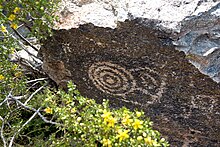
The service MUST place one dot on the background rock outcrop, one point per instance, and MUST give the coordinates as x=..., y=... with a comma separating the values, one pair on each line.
x=193, y=24
x=107, y=13
x=125, y=51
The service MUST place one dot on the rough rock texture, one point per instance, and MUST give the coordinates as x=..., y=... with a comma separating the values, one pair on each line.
x=200, y=40
x=194, y=24
x=125, y=51
x=138, y=67
x=107, y=13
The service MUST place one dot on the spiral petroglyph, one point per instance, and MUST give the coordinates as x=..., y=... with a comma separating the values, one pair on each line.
x=118, y=81
x=111, y=78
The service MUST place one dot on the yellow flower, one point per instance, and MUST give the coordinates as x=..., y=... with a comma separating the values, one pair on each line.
x=48, y=110
x=138, y=113
x=126, y=120
x=139, y=138
x=148, y=140
x=111, y=121
x=18, y=74
x=137, y=124
x=106, y=114
x=122, y=135
x=107, y=142
x=2, y=77
x=108, y=119
x=11, y=17
x=3, y=29
x=14, y=26
x=16, y=10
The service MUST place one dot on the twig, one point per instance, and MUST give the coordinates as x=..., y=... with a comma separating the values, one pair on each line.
x=2, y=119
x=35, y=80
x=29, y=87
x=3, y=101
x=2, y=133
x=30, y=97
x=23, y=46
x=48, y=121
x=32, y=109
x=13, y=137
x=8, y=98
x=25, y=62
x=25, y=40
x=33, y=66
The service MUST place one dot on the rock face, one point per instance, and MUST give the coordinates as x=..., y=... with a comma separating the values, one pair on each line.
x=125, y=51
x=193, y=24
x=137, y=67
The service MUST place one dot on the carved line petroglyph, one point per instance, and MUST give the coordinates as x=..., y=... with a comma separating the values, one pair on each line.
x=149, y=84
x=116, y=80
x=111, y=78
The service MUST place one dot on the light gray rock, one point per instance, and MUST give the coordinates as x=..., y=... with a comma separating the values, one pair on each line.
x=107, y=13
x=28, y=54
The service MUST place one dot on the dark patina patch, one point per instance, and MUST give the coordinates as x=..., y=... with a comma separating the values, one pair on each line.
x=137, y=67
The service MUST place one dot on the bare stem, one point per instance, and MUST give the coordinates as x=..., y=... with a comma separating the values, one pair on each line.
x=29, y=120
x=35, y=92
x=33, y=109
x=2, y=133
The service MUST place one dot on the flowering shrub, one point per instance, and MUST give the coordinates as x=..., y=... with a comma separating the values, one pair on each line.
x=84, y=122
x=37, y=17
x=16, y=17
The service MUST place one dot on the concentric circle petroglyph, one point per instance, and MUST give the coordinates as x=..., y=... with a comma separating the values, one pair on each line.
x=111, y=78
x=118, y=81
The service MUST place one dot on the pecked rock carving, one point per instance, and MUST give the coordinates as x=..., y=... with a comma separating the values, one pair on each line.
x=117, y=81
x=138, y=67
x=116, y=49
x=125, y=51
x=111, y=78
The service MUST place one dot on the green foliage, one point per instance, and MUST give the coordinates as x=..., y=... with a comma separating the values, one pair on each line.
x=11, y=79
x=36, y=17
x=83, y=121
